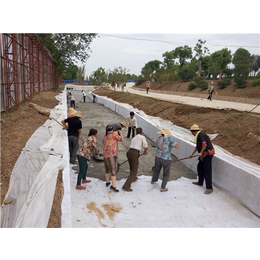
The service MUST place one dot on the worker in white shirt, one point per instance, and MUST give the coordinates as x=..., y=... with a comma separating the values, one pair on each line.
x=132, y=124
x=137, y=143
x=83, y=95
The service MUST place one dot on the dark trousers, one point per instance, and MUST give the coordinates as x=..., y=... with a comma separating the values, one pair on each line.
x=73, y=147
x=132, y=156
x=159, y=164
x=147, y=90
x=84, y=98
x=210, y=96
x=83, y=168
x=72, y=103
x=129, y=132
x=204, y=169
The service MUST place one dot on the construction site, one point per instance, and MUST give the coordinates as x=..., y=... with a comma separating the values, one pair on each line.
x=38, y=184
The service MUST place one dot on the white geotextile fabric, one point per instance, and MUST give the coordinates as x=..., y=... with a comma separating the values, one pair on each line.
x=179, y=132
x=237, y=176
x=33, y=179
x=182, y=206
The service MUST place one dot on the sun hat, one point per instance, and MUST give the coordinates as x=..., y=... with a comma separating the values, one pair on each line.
x=71, y=111
x=78, y=114
x=195, y=127
x=123, y=123
x=165, y=132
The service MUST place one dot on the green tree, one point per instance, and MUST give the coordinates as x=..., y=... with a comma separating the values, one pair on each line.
x=166, y=74
x=194, y=64
x=227, y=58
x=119, y=75
x=81, y=74
x=67, y=48
x=140, y=80
x=71, y=72
x=182, y=53
x=200, y=52
x=150, y=68
x=205, y=66
x=227, y=72
x=168, y=61
x=214, y=63
x=221, y=59
x=99, y=75
x=187, y=73
x=132, y=77
x=241, y=61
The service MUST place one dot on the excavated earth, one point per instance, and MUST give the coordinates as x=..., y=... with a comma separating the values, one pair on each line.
x=238, y=132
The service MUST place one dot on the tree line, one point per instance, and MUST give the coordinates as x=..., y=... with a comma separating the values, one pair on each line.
x=182, y=64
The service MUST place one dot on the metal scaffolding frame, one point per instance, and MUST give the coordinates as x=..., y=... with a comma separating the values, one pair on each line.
x=27, y=67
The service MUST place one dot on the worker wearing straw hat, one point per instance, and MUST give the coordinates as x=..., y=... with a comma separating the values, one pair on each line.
x=164, y=143
x=206, y=152
x=74, y=133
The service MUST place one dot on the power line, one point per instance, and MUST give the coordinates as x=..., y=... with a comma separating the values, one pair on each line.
x=172, y=43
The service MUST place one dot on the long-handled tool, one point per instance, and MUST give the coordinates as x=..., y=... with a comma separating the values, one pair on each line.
x=119, y=164
x=253, y=108
x=186, y=158
x=59, y=123
x=181, y=159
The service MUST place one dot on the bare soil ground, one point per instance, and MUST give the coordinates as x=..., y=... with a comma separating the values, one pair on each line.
x=17, y=126
x=234, y=128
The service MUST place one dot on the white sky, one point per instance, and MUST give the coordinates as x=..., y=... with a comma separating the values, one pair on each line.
x=221, y=24
x=111, y=50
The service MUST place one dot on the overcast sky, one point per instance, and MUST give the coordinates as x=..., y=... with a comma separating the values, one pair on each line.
x=132, y=51
x=165, y=24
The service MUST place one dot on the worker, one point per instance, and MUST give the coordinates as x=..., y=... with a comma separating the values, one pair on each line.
x=165, y=143
x=133, y=154
x=74, y=133
x=206, y=152
x=132, y=124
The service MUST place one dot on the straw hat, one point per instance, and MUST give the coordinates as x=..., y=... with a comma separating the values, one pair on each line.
x=165, y=132
x=78, y=114
x=71, y=111
x=195, y=128
x=123, y=123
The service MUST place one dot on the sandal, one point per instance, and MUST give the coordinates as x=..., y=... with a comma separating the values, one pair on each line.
x=114, y=189
x=107, y=184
